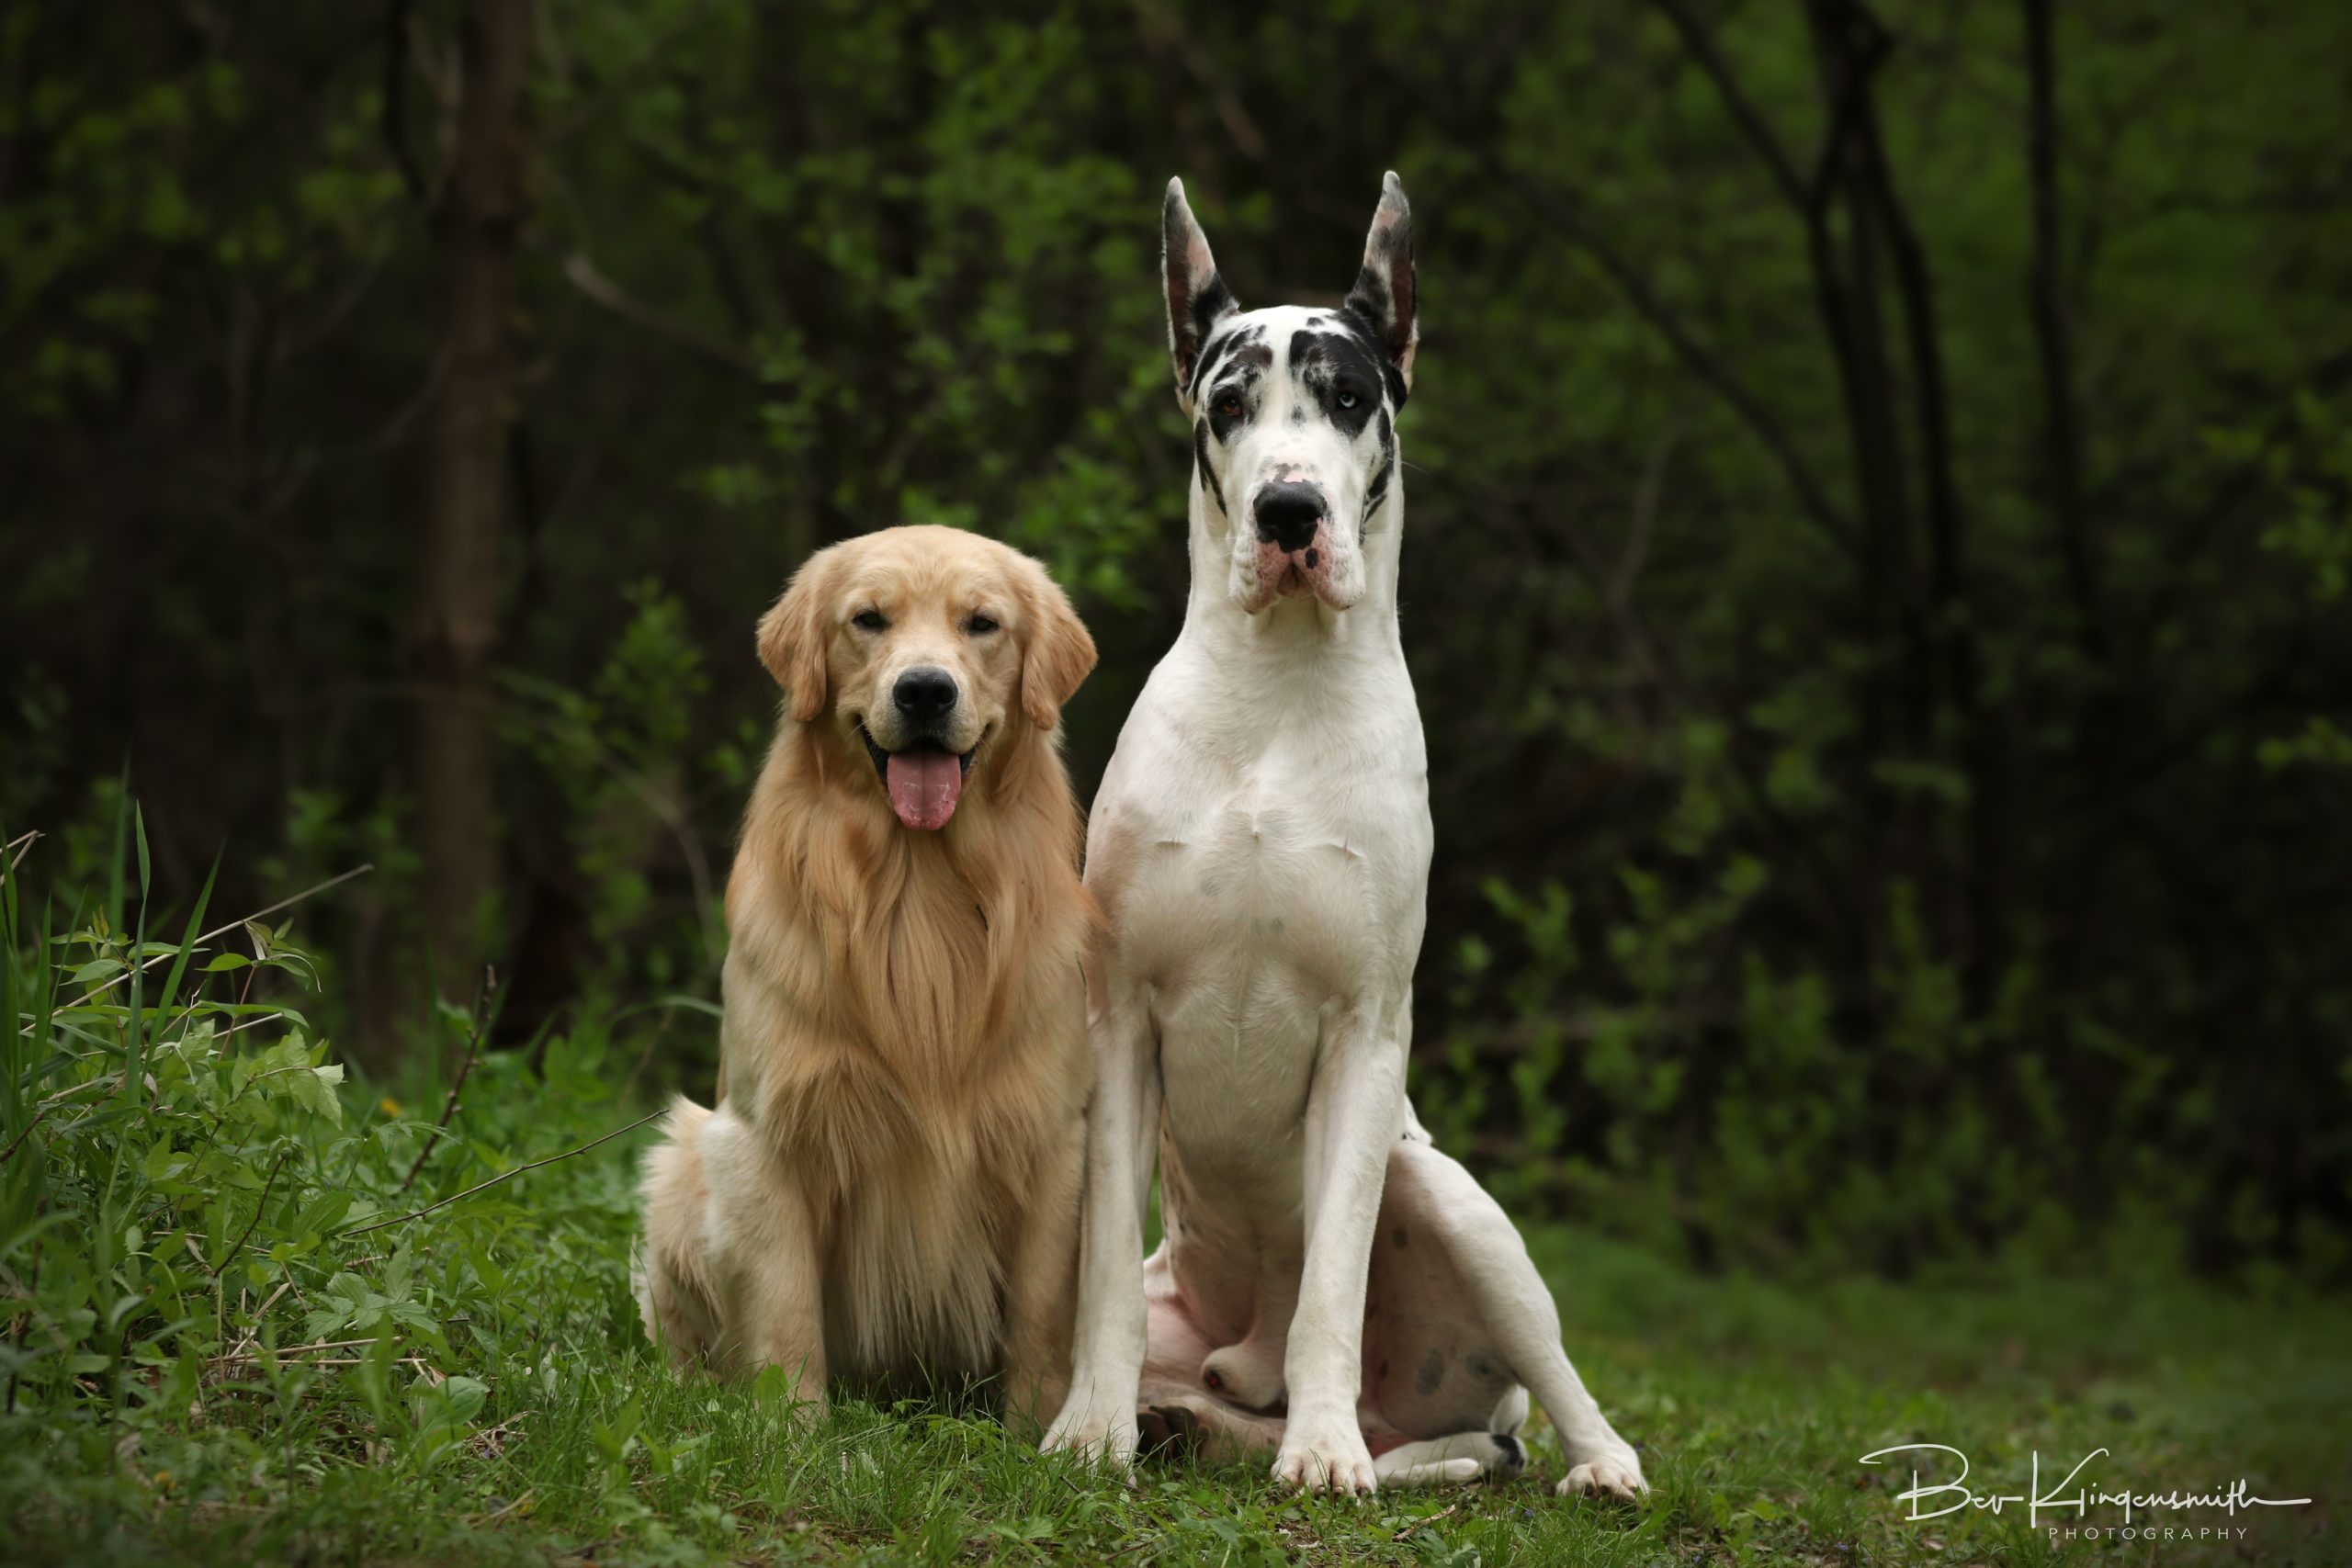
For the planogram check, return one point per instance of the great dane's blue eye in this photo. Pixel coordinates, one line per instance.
(1347, 399)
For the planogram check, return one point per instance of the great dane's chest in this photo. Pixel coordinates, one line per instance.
(1257, 906)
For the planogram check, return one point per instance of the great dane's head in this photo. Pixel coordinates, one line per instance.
(1293, 411)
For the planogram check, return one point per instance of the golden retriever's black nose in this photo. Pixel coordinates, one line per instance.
(1287, 514)
(926, 692)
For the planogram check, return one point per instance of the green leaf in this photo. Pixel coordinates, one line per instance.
(313, 1089)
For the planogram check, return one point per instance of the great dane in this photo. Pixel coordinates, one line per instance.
(1330, 1286)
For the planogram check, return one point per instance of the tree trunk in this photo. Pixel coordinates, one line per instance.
(477, 225)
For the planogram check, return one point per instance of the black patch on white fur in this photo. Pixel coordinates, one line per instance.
(1377, 492)
(1364, 327)
(1210, 302)
(1514, 1458)
(1209, 481)
(1333, 365)
(1214, 354)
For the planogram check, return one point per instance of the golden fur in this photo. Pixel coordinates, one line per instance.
(889, 1188)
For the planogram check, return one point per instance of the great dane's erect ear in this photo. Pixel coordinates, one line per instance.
(792, 637)
(1385, 295)
(1197, 296)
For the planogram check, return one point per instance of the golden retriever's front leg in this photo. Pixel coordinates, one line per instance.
(764, 1260)
(1041, 1285)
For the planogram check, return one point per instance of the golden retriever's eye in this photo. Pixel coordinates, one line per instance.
(980, 626)
(869, 621)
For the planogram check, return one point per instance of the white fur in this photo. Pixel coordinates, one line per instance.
(1260, 846)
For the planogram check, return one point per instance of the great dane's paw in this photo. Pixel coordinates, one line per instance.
(1331, 1459)
(1246, 1374)
(1618, 1475)
(1109, 1441)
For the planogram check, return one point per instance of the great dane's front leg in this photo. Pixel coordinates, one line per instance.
(1354, 1111)
(1107, 1348)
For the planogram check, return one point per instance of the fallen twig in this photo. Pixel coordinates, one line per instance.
(104, 986)
(275, 1166)
(505, 1176)
(483, 995)
(1429, 1519)
(38, 1118)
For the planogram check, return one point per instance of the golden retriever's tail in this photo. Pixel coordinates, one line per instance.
(669, 1267)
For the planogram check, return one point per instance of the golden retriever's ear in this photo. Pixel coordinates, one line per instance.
(1059, 653)
(792, 637)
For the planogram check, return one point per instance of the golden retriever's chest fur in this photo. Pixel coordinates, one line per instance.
(906, 1051)
(915, 1205)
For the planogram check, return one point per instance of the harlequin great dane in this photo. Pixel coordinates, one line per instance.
(1330, 1285)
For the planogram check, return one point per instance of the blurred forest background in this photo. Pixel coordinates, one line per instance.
(1877, 510)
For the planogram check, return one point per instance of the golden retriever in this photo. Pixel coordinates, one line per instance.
(887, 1190)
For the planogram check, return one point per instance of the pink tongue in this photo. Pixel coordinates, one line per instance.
(925, 786)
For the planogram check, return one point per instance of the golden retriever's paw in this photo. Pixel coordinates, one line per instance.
(1331, 1459)
(1110, 1441)
(1618, 1475)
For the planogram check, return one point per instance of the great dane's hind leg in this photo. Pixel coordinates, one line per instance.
(1511, 1305)
(1438, 1461)
(1249, 1372)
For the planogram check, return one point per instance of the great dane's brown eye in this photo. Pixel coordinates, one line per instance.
(869, 621)
(1229, 406)
(980, 625)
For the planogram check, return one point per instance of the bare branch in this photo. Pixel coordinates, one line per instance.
(105, 986)
(612, 296)
(484, 993)
(1162, 29)
(506, 1176)
(394, 90)
(258, 1208)
(1743, 112)
(1566, 214)
(2061, 438)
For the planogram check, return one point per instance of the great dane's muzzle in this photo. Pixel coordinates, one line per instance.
(1297, 553)
(1289, 515)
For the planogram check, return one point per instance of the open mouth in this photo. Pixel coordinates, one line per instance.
(924, 780)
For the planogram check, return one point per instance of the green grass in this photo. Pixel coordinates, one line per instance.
(223, 1342)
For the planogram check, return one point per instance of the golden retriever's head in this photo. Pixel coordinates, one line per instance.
(925, 647)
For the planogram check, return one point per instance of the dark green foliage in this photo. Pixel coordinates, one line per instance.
(231, 1331)
(1884, 659)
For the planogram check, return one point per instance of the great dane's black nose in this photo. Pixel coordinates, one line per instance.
(1287, 514)
(924, 693)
